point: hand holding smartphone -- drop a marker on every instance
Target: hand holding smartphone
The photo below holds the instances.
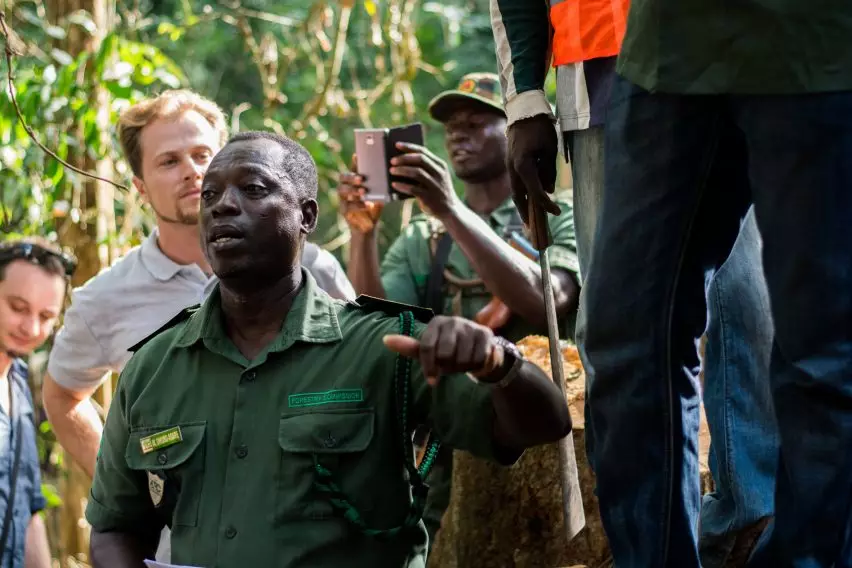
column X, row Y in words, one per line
column 374, row 149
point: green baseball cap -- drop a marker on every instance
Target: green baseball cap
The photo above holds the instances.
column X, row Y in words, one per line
column 480, row 88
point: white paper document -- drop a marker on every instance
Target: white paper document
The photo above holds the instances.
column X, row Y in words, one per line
column 155, row 564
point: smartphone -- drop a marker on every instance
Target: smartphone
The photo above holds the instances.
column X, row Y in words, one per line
column 374, row 148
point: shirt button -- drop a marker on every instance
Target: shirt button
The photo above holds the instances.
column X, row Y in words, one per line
column 162, row 459
column 330, row 441
column 230, row 532
column 250, row 375
column 241, row 451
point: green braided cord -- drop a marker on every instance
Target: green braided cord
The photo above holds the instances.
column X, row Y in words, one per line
column 324, row 481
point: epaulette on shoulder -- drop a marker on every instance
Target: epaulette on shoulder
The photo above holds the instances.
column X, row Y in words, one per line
column 371, row 304
column 183, row 315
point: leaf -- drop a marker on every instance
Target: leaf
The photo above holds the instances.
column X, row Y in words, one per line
column 167, row 78
column 51, row 496
column 55, row 32
column 84, row 20
column 108, row 47
column 49, row 75
column 119, row 90
column 62, row 57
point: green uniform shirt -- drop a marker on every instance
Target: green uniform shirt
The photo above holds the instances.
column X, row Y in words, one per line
column 759, row 47
column 407, row 264
column 239, row 483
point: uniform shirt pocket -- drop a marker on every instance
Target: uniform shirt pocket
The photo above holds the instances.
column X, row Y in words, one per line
column 174, row 471
column 337, row 439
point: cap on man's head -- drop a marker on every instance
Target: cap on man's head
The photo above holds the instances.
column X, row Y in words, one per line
column 476, row 88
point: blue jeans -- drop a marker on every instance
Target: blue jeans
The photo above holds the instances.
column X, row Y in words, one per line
column 738, row 400
column 679, row 170
column 736, row 390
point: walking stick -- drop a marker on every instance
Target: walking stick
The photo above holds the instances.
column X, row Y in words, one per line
column 572, row 502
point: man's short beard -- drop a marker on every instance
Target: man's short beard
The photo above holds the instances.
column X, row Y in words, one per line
column 180, row 218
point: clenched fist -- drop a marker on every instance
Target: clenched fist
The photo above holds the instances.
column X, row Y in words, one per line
column 452, row 345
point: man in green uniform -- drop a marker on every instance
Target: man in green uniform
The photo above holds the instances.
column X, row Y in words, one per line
column 456, row 260
column 478, row 262
column 271, row 427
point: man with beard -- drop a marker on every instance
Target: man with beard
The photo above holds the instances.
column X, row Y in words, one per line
column 456, row 258
column 33, row 276
column 168, row 142
column 248, row 426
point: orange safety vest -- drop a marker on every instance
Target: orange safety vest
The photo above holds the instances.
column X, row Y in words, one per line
column 587, row 29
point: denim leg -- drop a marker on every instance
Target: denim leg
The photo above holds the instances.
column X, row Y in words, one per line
column 801, row 175
column 737, row 399
column 645, row 303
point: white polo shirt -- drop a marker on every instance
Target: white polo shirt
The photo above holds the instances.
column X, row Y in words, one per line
column 136, row 296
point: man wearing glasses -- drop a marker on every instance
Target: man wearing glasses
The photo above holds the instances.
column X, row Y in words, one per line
column 33, row 276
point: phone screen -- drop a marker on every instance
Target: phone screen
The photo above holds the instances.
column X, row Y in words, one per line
column 411, row 133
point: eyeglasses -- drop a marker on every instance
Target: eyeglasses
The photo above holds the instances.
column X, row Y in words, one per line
column 38, row 255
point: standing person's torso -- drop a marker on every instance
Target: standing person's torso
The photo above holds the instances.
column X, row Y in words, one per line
column 28, row 497
column 746, row 47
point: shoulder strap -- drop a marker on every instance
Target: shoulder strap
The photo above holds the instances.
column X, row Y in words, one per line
column 183, row 315
column 390, row 308
column 435, row 283
column 13, row 478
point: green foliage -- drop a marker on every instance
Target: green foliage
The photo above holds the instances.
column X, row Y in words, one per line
column 54, row 92
column 271, row 61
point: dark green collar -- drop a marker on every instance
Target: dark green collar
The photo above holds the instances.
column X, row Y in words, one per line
column 312, row 319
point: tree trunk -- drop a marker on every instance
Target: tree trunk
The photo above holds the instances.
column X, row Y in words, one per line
column 88, row 235
column 511, row 517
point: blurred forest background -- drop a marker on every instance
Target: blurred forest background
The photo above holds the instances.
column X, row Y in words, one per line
column 311, row 69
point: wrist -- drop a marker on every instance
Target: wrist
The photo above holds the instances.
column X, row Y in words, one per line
column 358, row 237
column 453, row 213
column 507, row 370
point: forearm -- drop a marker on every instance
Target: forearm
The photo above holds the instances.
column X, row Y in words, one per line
column 121, row 550
column 37, row 551
column 522, row 43
column 530, row 410
column 363, row 266
column 507, row 273
column 75, row 423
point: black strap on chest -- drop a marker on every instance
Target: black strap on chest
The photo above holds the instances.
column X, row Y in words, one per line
column 13, row 478
column 324, row 481
column 435, row 282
